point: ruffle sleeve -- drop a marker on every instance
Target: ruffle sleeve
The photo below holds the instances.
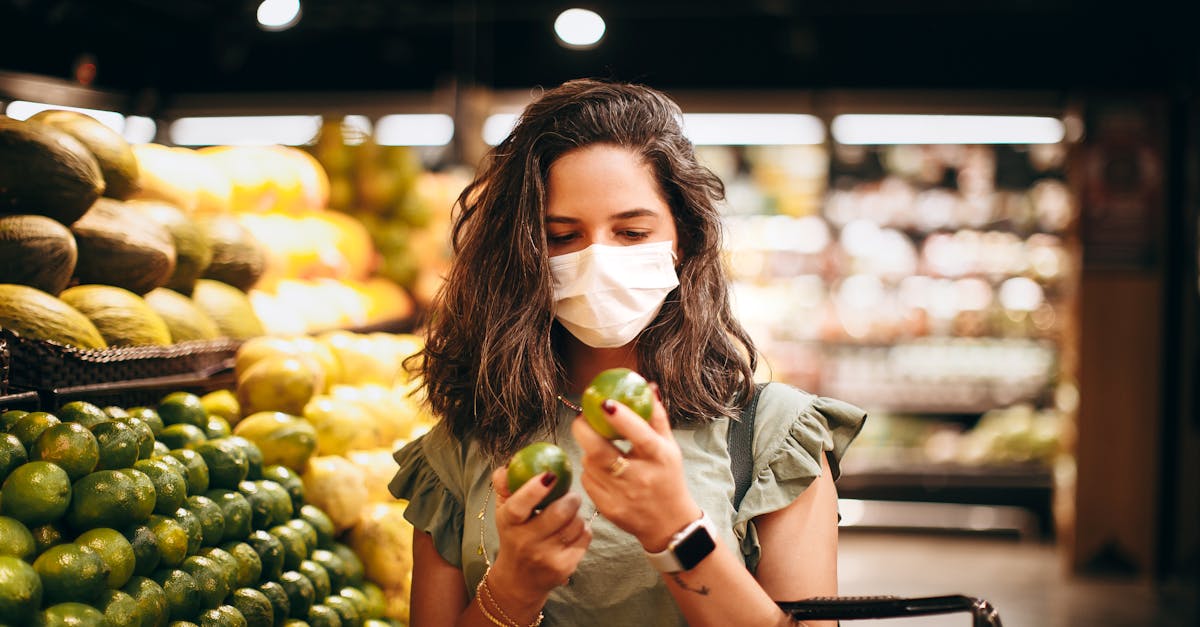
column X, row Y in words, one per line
column 433, row 506
column 793, row 429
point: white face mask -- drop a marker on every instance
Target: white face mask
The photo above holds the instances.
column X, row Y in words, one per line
column 606, row 295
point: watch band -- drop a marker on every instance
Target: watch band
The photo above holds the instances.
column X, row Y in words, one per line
column 687, row 548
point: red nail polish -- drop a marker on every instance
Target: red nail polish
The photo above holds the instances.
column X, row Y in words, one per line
column 609, row 406
column 548, row 478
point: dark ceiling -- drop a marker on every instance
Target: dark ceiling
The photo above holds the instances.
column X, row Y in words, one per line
column 174, row 46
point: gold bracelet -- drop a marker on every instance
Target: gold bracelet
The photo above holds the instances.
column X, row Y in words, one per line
column 484, row 589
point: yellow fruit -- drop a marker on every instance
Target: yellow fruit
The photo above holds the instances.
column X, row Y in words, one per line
column 223, row 404
column 184, row 319
column 34, row 314
column 283, row 439
column 279, row 383
column 383, row 539
column 121, row 316
column 229, row 307
column 342, row 426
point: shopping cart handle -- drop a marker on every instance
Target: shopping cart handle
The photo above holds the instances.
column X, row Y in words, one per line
column 866, row 607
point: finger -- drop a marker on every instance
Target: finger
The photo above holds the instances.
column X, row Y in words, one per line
column 593, row 444
column 519, row 507
column 631, row 427
column 658, row 417
column 568, row 533
column 500, row 483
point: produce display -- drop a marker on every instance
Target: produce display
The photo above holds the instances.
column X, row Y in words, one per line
column 168, row 514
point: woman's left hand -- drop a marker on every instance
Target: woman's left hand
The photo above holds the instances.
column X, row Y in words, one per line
column 645, row 495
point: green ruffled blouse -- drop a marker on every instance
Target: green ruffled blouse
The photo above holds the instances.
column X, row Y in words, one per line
column 446, row 487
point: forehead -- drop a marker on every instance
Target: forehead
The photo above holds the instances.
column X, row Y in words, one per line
column 602, row 176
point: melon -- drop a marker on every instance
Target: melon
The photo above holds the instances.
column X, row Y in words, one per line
column 229, row 307
column 117, row 163
column 34, row 314
column 36, row 251
column 238, row 258
column 185, row 320
column 193, row 250
column 121, row 316
column 45, row 171
column 120, row 246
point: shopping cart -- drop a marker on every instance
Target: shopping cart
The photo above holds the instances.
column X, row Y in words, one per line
column 874, row 607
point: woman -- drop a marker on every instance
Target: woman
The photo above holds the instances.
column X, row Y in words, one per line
column 591, row 240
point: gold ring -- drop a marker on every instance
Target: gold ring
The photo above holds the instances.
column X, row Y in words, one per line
column 619, row 466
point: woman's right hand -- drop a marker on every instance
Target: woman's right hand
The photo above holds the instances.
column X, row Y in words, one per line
column 538, row 551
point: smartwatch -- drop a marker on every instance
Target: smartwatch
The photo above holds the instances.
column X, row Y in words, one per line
column 687, row 548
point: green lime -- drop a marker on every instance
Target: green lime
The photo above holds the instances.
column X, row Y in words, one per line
column 320, row 615
column 238, row 515
column 300, row 593
column 217, row 427
column 151, row 599
column 227, row 462
column 114, row 549
column 376, row 601
column 147, row 555
column 212, row 518
column 623, row 386
column 270, row 504
column 71, row 572
column 20, row 591
column 182, row 408
column 10, row 418
column 197, row 469
column 72, row 614
column 119, row 445
column 249, row 565
column 306, row 530
column 223, row 404
column 119, row 608
column 318, row 576
column 148, row 416
column 32, row 425
column 70, row 446
column 254, row 456
column 210, row 579
column 160, row 450
column 145, row 435
column 321, row 522
column 16, row 540
column 270, row 553
column 227, row 562
column 254, row 606
column 36, row 493
column 354, row 565
column 172, row 540
column 12, row 454
column 83, row 412
column 223, row 616
column 280, row 605
column 47, row 535
column 181, row 435
column 110, row 498
column 195, row 528
column 290, row 480
column 358, row 598
column 170, row 489
column 536, row 459
column 181, row 590
column 295, row 548
column 114, row 412
column 333, row 565
column 346, row 609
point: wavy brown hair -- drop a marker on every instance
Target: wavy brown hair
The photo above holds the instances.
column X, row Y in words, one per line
column 492, row 366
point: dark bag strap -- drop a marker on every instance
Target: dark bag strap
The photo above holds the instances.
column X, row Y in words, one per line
column 741, row 447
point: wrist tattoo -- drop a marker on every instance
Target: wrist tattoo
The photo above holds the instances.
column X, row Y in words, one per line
column 702, row 590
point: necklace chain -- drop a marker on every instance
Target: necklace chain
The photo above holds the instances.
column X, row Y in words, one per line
column 572, row 406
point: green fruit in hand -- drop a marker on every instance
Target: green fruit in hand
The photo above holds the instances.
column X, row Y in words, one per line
column 535, row 459
column 623, row 386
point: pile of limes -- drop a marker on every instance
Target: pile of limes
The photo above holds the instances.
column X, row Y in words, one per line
column 155, row 516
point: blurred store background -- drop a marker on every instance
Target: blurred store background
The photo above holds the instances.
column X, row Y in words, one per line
column 979, row 221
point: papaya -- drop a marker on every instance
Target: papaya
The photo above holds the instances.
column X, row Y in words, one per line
column 36, row 251
column 121, row 316
column 229, row 307
column 193, row 250
column 45, row 171
column 284, row 439
column 34, row 314
column 184, row 319
column 238, row 259
column 113, row 154
column 119, row 246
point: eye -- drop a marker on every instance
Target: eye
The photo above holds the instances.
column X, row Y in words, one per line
column 634, row 235
column 560, row 238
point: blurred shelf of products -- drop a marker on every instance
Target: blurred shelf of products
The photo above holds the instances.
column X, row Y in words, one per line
column 929, row 284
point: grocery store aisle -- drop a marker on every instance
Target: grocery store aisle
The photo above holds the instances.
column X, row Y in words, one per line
column 1021, row 578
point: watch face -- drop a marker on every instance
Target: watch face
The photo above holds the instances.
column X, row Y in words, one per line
column 694, row 548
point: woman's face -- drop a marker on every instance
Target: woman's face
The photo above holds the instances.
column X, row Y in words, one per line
column 604, row 194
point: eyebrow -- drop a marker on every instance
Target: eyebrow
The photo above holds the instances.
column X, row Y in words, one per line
column 638, row 212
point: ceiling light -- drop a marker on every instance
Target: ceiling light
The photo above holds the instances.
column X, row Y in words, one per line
column 752, row 129
column 497, row 126
column 579, row 28
column 277, row 15
column 265, row 130
column 946, row 129
column 420, row 129
column 139, row 129
column 23, row 109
